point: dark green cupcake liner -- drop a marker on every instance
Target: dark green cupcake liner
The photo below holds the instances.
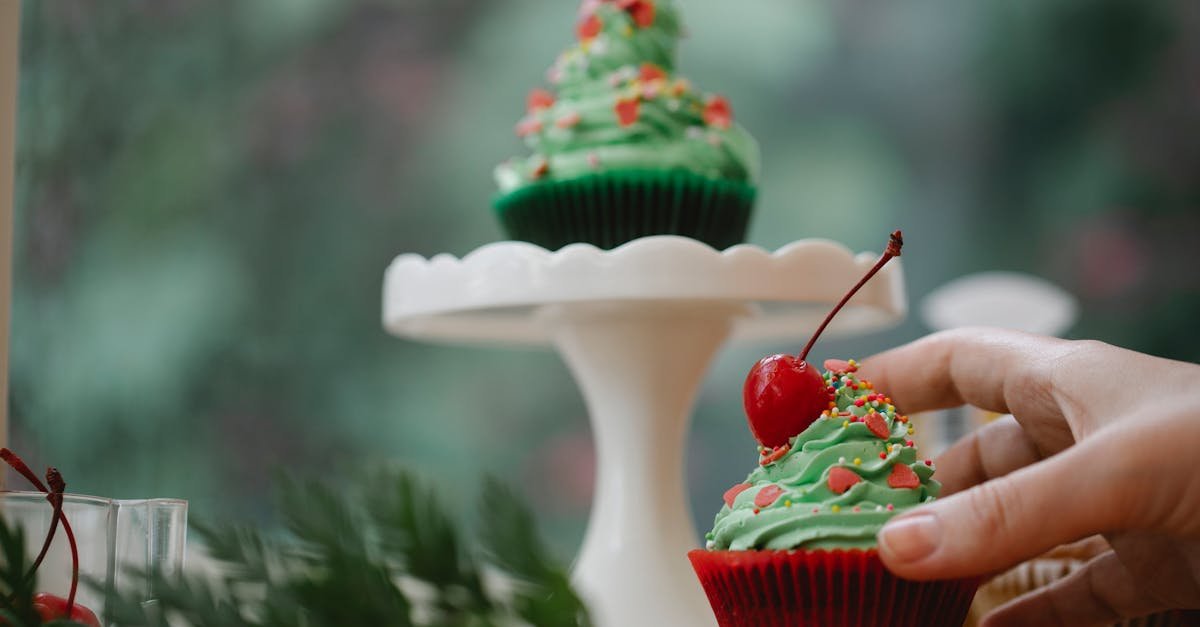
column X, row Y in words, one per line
column 611, row 208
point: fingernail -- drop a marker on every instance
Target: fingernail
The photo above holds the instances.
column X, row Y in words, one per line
column 911, row 538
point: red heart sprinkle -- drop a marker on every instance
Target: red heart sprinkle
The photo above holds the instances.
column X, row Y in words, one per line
column 651, row 72
column 642, row 12
column 732, row 493
column 877, row 425
column 839, row 366
column 627, row 111
column 569, row 120
column 767, row 495
column 589, row 28
column 717, row 112
column 903, row 477
column 538, row 98
column 840, row 479
column 528, row 126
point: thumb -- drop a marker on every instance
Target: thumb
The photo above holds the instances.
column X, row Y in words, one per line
column 1007, row 520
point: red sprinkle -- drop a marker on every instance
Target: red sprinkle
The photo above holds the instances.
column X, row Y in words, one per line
column 840, row 479
column 528, row 126
column 538, row 99
column 651, row 72
column 882, row 455
column 589, row 28
column 718, row 113
column 929, row 462
column 909, row 443
column 541, row 169
column 767, row 495
column 859, row 402
column 775, row 454
column 569, row 120
column 903, row 477
column 642, row 11
column 732, row 493
column 627, row 111
column 877, row 425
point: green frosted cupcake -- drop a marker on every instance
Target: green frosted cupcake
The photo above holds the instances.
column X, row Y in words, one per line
column 626, row 148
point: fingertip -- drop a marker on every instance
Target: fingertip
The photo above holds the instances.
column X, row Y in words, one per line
column 907, row 541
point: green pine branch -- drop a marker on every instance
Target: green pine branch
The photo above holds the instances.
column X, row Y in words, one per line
column 387, row 553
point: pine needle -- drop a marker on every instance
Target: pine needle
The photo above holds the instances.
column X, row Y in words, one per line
column 388, row 554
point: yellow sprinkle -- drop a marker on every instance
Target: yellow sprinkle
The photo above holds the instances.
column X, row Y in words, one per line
column 845, row 423
column 889, row 448
column 836, row 508
column 858, row 461
column 910, row 430
column 787, row 503
column 891, row 408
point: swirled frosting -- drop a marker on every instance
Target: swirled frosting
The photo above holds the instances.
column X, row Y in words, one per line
column 620, row 106
column 835, row 484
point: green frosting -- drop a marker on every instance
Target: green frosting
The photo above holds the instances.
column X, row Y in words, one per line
column 624, row 62
column 807, row 513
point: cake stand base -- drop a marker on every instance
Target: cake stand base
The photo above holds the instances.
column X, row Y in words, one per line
column 639, row 365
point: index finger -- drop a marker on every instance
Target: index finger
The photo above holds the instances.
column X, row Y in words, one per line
column 994, row 369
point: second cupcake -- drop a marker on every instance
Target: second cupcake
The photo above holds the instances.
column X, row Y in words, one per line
column 623, row 147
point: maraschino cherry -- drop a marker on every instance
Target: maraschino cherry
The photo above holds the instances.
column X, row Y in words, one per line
column 48, row 606
column 53, row 607
column 784, row 394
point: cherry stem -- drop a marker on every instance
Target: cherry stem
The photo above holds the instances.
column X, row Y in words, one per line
column 57, row 503
column 58, row 485
column 54, row 494
column 18, row 465
column 893, row 250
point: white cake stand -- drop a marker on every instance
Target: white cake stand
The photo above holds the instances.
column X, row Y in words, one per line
column 638, row 327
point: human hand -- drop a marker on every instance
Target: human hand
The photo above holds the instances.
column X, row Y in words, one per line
column 1103, row 440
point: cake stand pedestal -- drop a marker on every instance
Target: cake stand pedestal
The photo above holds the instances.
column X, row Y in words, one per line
column 638, row 327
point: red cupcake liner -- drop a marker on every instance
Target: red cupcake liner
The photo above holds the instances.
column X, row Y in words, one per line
column 829, row 588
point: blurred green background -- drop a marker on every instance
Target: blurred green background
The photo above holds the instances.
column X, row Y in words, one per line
column 209, row 191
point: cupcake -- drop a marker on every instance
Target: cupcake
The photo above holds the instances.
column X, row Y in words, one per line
column 795, row 543
column 622, row 146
